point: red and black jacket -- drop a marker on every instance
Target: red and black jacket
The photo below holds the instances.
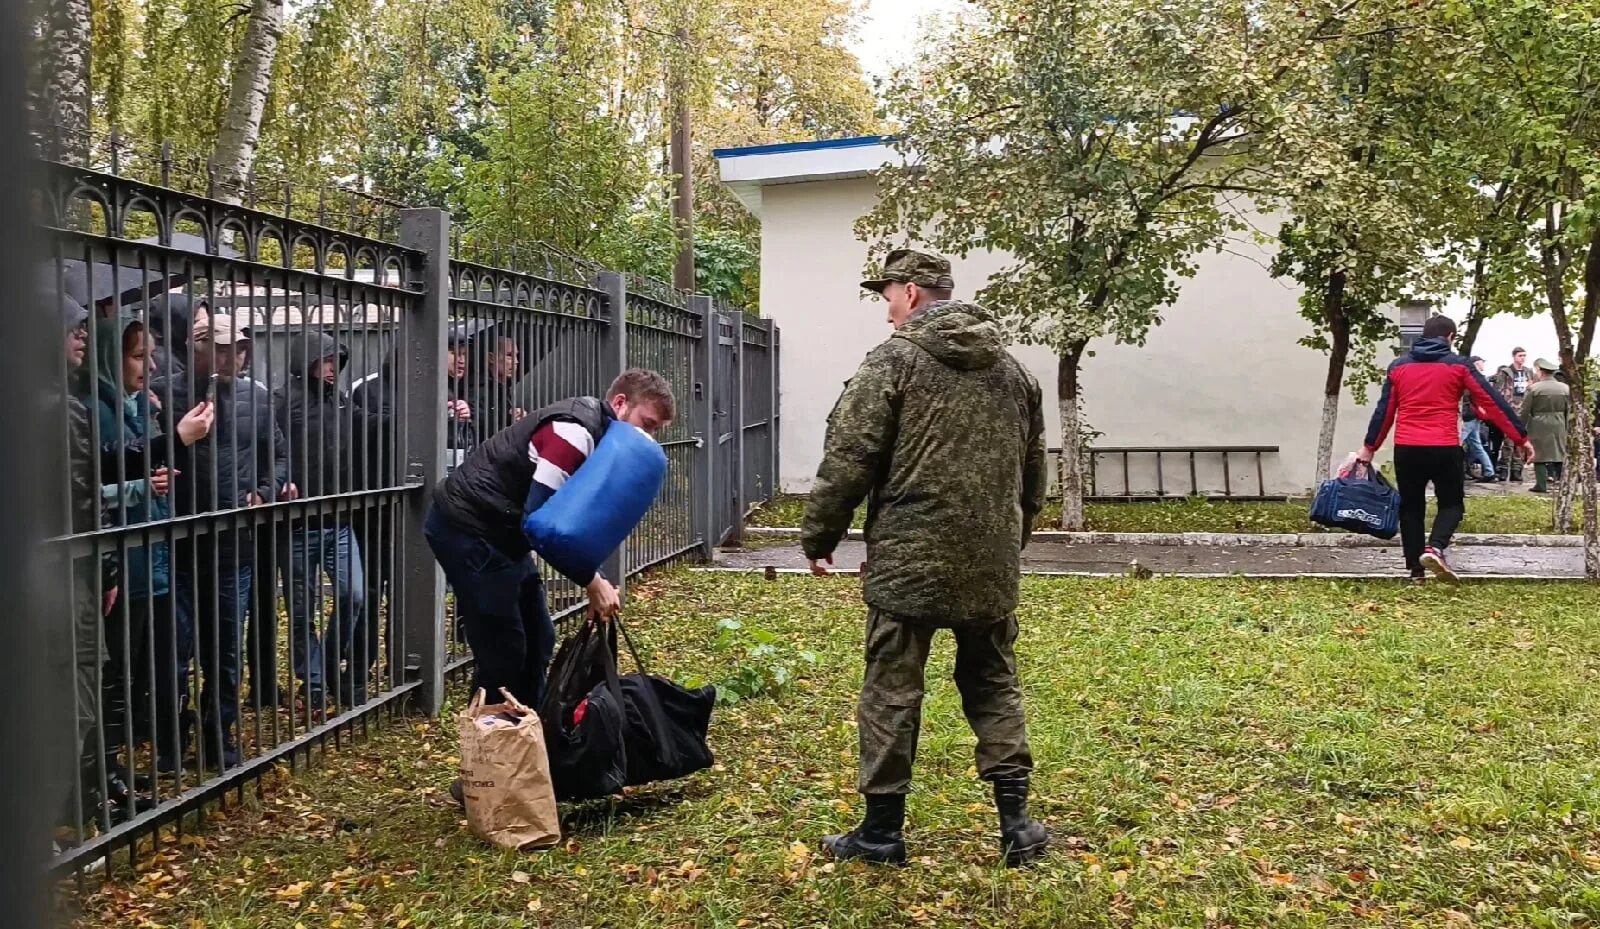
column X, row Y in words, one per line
column 1422, row 399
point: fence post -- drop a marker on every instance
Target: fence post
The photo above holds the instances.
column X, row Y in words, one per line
column 772, row 411
column 613, row 361
column 427, row 231
column 703, row 483
column 736, row 424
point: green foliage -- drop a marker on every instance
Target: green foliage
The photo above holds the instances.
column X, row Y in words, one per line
column 753, row 663
column 554, row 167
column 531, row 120
column 1485, row 514
column 1287, row 754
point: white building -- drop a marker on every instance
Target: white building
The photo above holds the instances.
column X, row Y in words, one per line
column 1224, row 369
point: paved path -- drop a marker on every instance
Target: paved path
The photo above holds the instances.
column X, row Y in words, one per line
column 1218, row 561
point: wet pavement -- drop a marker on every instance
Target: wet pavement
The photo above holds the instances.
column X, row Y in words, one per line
column 1045, row 557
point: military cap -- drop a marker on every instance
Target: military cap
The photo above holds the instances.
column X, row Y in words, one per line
column 911, row 267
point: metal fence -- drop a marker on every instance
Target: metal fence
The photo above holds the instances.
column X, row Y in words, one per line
column 252, row 412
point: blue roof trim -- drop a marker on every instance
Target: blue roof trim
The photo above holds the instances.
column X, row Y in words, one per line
column 782, row 148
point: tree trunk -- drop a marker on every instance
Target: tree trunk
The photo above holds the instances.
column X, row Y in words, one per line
column 1567, row 494
column 1338, row 353
column 62, row 82
column 247, row 100
column 1591, row 494
column 1071, row 437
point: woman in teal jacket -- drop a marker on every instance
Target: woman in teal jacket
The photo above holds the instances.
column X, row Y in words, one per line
column 147, row 615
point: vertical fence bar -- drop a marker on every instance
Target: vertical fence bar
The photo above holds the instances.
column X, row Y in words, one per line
column 736, row 426
column 777, row 408
column 771, row 451
column 704, row 481
column 427, row 231
column 614, row 354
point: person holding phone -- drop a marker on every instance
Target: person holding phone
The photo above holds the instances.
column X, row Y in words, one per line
column 146, row 613
column 242, row 463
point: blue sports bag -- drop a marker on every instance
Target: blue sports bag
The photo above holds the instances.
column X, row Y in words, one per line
column 595, row 510
column 1360, row 501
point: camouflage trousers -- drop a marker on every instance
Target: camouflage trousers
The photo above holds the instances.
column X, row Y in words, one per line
column 889, row 716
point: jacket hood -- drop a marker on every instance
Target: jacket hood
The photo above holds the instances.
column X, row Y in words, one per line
column 108, row 335
column 959, row 335
column 311, row 348
column 1430, row 349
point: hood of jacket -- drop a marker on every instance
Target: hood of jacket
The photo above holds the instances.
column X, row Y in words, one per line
column 310, row 349
column 108, row 335
column 1431, row 349
column 959, row 335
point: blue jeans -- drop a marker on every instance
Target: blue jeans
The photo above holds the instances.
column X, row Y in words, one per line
column 216, row 596
column 1472, row 434
column 314, row 552
column 501, row 601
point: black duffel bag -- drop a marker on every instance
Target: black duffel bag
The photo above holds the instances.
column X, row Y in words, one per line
column 583, row 722
column 622, row 730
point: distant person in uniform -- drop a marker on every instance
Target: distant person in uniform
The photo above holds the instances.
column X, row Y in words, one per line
column 1545, row 409
column 941, row 431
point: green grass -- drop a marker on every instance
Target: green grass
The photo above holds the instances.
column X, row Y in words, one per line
column 1210, row 753
column 1519, row 514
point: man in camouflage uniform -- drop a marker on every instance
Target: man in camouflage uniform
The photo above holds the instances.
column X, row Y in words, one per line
column 942, row 432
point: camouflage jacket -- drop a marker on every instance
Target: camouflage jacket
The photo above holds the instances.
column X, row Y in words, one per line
column 942, row 432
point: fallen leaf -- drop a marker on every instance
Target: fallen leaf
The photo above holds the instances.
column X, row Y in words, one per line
column 521, row 877
column 1461, row 841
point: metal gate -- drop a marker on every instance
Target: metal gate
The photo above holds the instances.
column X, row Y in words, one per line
column 727, row 417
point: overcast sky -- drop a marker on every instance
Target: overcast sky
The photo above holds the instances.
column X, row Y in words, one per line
column 888, row 30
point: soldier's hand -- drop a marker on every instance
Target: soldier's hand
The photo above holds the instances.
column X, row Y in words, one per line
column 817, row 568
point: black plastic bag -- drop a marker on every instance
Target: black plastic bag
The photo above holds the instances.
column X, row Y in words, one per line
column 629, row 730
column 583, row 718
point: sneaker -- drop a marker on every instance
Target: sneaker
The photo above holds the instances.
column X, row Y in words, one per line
column 1434, row 561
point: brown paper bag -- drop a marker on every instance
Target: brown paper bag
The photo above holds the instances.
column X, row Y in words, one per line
column 505, row 775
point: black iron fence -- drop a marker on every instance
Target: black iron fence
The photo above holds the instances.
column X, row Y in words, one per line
column 252, row 411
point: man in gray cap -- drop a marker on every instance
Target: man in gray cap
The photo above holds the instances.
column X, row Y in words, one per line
column 942, row 432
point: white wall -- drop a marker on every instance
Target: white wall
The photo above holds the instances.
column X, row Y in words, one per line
column 1224, row 368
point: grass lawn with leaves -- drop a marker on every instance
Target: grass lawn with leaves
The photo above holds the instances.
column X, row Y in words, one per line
column 1497, row 514
column 1210, row 753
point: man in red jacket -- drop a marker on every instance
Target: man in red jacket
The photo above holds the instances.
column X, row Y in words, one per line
column 1421, row 401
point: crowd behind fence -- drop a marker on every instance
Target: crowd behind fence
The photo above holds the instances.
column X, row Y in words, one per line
column 253, row 409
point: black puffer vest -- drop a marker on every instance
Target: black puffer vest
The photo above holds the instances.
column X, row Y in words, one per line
column 484, row 496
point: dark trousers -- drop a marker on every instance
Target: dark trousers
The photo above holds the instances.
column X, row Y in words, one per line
column 501, row 603
column 261, row 640
column 173, row 647
column 889, row 717
column 1493, row 442
column 375, row 530
column 1415, row 467
column 217, row 588
column 158, row 631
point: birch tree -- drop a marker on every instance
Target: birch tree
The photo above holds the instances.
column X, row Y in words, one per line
column 240, row 132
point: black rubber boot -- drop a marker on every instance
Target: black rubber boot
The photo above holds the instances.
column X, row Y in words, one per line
column 1022, row 840
column 880, row 839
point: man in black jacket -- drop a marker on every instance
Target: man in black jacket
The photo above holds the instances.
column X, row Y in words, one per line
column 475, row 527
column 327, row 437
column 239, row 464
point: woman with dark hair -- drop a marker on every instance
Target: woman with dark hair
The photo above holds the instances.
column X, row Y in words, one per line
column 146, row 613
